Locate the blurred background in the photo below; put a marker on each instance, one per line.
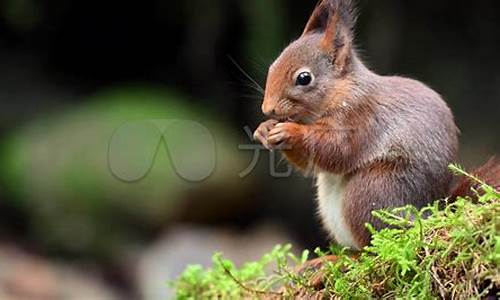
(73, 72)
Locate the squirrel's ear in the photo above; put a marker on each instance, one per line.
(319, 18)
(330, 14)
(335, 19)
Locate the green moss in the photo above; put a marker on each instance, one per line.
(451, 253)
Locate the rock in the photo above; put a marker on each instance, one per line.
(28, 277)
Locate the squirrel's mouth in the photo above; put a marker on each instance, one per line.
(283, 119)
(295, 118)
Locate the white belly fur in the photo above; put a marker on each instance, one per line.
(330, 200)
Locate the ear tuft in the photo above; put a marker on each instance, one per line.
(341, 12)
(335, 20)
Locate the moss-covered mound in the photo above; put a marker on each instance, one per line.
(451, 253)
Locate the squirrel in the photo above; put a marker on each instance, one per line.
(372, 142)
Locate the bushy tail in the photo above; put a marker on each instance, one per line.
(488, 173)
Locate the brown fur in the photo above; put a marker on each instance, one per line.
(391, 139)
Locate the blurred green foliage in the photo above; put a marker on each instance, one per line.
(58, 167)
(23, 15)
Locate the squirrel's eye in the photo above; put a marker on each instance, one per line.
(304, 79)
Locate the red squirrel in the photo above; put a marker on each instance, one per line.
(371, 141)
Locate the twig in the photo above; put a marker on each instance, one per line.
(246, 288)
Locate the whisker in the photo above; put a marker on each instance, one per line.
(251, 91)
(252, 97)
(312, 112)
(257, 86)
(260, 65)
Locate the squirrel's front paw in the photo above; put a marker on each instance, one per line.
(262, 132)
(285, 135)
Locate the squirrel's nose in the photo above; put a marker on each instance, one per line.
(270, 113)
(268, 110)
